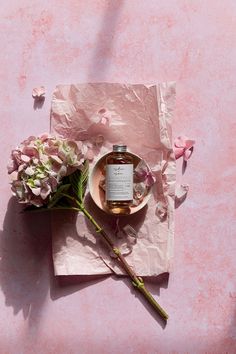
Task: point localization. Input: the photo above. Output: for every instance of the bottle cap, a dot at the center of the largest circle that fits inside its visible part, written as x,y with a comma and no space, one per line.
119,148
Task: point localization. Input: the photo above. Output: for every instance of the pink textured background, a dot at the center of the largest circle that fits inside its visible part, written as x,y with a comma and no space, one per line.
192,42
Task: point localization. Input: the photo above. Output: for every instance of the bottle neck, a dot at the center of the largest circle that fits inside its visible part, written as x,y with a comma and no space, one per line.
119,148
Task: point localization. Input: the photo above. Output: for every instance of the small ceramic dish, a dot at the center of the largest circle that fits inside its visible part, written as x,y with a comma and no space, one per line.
98,194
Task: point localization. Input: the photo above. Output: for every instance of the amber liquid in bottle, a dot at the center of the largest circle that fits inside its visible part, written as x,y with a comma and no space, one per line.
119,181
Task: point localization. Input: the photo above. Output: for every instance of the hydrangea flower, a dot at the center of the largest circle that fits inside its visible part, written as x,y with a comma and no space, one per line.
38,165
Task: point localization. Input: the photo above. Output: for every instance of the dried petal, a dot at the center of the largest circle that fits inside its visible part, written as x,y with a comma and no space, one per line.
38,92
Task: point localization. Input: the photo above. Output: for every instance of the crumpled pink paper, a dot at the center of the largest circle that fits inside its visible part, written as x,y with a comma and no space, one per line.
103,114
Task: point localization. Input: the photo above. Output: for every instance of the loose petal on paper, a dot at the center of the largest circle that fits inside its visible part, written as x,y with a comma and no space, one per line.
161,211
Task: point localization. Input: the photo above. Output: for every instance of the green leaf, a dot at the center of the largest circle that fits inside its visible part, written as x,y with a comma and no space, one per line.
79,180
58,195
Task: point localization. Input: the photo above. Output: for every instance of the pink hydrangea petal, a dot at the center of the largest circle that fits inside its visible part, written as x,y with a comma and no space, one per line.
28,140
150,180
44,158
36,201
189,143
45,191
16,154
11,166
141,171
178,152
36,191
63,171
25,158
44,137
38,92
181,192
56,159
21,167
53,183
30,171
19,189
104,121
14,176
79,145
30,151
182,146
180,141
187,154
51,150
72,144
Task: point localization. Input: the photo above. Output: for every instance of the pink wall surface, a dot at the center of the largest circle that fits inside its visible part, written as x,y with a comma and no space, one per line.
65,41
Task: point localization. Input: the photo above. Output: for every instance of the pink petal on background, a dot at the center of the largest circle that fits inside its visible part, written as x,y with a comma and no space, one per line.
181,192
38,92
187,154
183,147
180,141
189,143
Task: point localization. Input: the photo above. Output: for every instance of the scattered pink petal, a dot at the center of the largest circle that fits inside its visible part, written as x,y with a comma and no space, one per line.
39,92
161,210
104,121
183,146
181,192
143,174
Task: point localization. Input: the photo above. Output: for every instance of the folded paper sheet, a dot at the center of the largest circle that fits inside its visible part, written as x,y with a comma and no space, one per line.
102,114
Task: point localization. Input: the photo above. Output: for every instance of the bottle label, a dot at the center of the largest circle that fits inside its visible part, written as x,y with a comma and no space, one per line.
119,182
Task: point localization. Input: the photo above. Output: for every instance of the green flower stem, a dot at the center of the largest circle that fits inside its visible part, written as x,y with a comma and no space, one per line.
137,282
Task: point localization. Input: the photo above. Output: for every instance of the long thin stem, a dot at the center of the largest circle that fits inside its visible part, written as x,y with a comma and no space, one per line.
137,281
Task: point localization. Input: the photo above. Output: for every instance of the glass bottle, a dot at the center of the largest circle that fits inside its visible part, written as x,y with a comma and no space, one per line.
119,180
